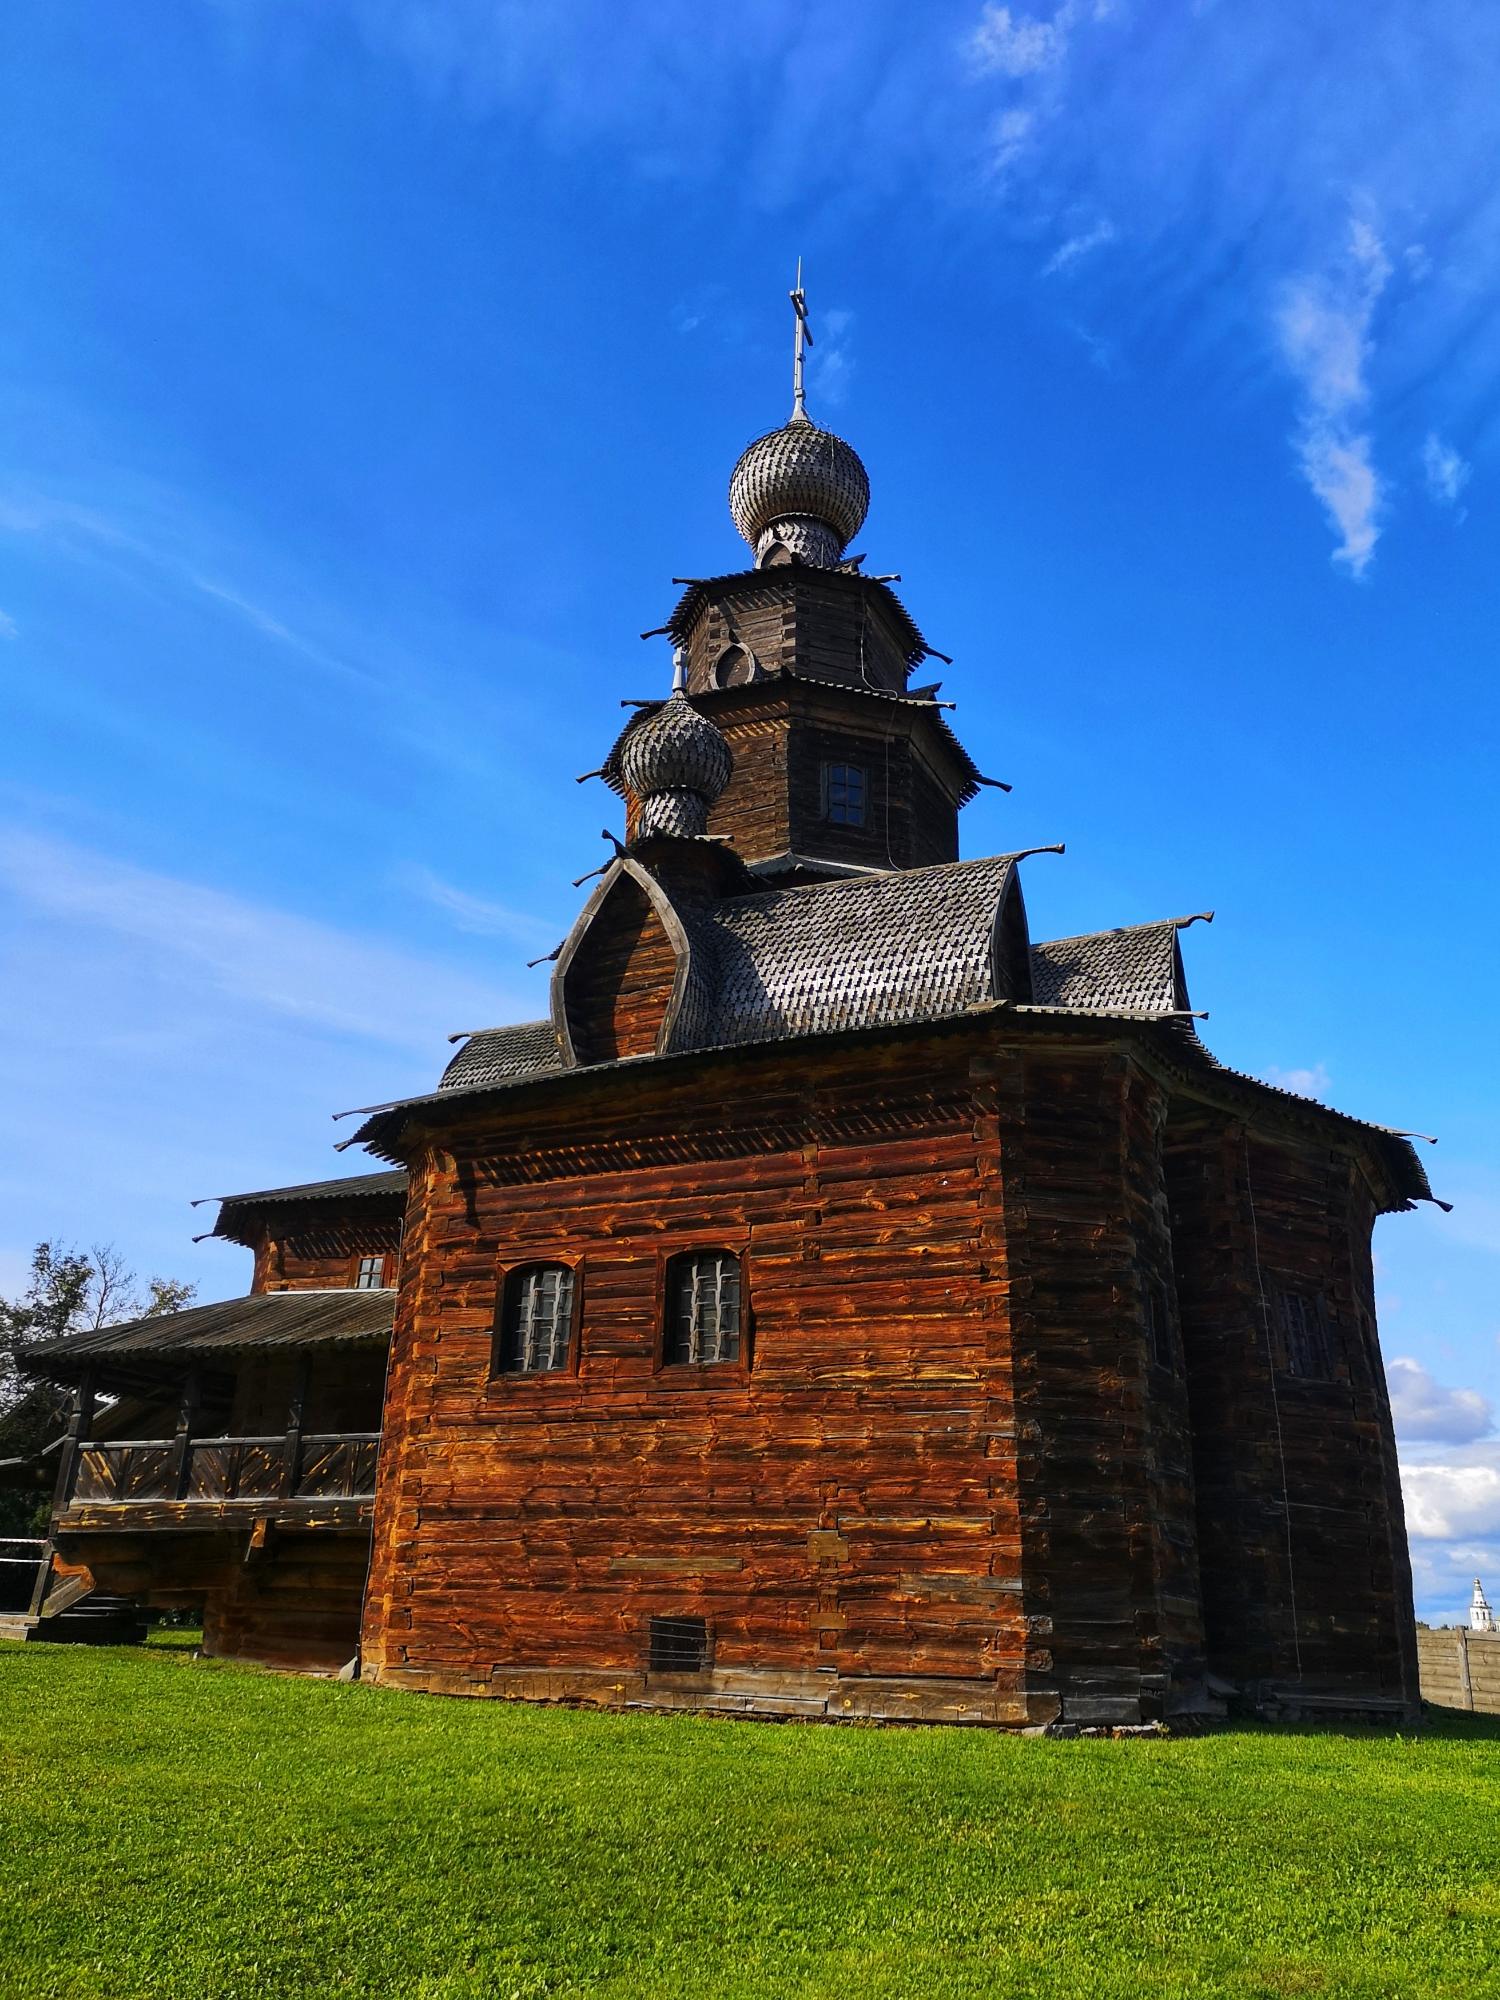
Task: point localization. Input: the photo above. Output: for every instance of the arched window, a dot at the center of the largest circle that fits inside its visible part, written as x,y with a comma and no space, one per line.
536,1320
703,1308
734,667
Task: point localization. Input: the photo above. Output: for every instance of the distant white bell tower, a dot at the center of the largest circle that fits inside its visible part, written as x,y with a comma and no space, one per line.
1481,1618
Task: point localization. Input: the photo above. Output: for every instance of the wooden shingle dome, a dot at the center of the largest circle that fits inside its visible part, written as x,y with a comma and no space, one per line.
799,493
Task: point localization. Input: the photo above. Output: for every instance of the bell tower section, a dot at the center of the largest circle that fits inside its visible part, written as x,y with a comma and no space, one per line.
840,765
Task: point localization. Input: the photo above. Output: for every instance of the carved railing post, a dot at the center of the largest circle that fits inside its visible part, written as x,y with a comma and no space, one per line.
187,1423
80,1426
80,1423
296,1410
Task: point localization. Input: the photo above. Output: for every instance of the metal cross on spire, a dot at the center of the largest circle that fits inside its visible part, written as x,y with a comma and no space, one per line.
801,339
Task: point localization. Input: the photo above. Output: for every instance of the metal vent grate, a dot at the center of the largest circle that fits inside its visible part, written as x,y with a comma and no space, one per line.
678,1645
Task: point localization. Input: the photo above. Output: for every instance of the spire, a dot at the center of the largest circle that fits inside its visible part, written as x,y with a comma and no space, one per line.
1481,1618
799,494
801,338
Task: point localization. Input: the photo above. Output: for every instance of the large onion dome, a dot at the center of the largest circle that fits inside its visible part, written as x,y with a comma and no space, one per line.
799,491
676,763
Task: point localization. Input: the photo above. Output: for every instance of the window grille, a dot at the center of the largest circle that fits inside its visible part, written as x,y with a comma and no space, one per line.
1305,1341
371,1274
677,1646
703,1308
844,794
536,1319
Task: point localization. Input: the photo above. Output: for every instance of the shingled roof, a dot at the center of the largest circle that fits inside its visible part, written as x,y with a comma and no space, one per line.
231,1326
237,1218
864,952
498,1055
1137,968
713,589
883,951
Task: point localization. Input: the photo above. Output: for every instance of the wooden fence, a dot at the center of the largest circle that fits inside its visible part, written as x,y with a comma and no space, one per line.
1460,1669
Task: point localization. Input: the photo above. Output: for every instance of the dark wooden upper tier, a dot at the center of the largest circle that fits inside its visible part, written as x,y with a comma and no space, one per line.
806,672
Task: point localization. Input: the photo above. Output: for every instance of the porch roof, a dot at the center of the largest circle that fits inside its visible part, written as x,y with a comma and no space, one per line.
263,1320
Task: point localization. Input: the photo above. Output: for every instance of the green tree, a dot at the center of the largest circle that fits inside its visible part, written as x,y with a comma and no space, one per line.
69,1291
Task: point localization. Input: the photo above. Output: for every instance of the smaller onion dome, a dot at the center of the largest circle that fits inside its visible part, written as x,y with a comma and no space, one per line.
676,763
800,479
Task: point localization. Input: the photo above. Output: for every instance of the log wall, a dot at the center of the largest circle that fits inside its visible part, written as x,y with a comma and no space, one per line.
1298,1493
945,1483
796,620
300,1255
780,735
292,1602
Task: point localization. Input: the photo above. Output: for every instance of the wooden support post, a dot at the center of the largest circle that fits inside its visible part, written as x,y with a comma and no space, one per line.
296,1410
80,1424
187,1423
1465,1683
80,1428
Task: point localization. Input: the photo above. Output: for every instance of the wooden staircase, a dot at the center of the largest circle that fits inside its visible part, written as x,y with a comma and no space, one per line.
73,1612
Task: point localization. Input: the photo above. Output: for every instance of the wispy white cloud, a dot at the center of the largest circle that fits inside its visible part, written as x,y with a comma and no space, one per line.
1446,473
1077,247
81,531
831,361
1428,1412
262,959
1010,136
1312,1082
1015,44
476,915
8,628
1324,325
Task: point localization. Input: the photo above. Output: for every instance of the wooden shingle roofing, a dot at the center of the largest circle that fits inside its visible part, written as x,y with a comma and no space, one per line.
264,1320
1136,966
889,951
863,952
239,1214
713,589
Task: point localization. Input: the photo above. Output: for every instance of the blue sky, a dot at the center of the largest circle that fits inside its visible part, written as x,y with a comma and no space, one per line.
368,368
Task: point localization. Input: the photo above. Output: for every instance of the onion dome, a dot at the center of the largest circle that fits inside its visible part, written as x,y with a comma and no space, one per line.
676,763
799,492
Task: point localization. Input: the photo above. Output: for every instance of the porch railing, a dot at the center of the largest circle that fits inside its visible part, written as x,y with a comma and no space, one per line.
307,1465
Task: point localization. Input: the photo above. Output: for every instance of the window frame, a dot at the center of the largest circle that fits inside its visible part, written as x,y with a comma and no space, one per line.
704,1373
509,1273
1317,1321
828,765
382,1260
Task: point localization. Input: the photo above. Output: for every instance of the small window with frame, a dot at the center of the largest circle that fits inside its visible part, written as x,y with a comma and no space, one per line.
844,794
1306,1340
703,1310
369,1274
535,1334
1160,1345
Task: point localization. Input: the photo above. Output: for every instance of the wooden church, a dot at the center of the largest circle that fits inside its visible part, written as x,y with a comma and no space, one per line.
841,1305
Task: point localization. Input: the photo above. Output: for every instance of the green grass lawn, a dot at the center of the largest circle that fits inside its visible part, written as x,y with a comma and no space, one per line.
177,1827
